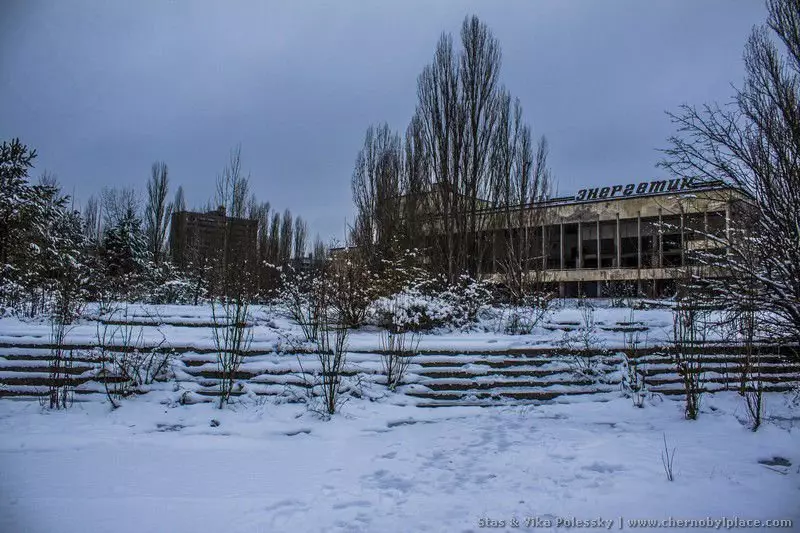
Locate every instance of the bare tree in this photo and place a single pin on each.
(473, 142)
(300, 238)
(157, 210)
(414, 184)
(479, 63)
(376, 193)
(274, 244)
(754, 143)
(285, 244)
(179, 203)
(320, 252)
(92, 220)
(521, 180)
(233, 187)
(443, 121)
(668, 460)
(119, 204)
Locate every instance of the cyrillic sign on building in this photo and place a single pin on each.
(634, 189)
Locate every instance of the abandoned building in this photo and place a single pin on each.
(212, 240)
(633, 239)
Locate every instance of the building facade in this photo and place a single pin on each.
(213, 243)
(634, 239)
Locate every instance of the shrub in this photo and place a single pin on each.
(521, 319)
(690, 325)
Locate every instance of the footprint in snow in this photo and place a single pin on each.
(603, 468)
(383, 479)
(355, 503)
(283, 504)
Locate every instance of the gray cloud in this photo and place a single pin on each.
(103, 89)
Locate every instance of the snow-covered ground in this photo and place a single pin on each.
(185, 326)
(383, 464)
(382, 467)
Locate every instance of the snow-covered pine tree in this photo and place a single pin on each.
(125, 257)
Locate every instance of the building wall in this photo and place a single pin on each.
(211, 241)
(642, 240)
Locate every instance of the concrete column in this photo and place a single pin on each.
(561, 246)
(660, 241)
(599, 262)
(580, 245)
(544, 247)
(494, 252)
(683, 243)
(639, 252)
(618, 244)
(727, 227)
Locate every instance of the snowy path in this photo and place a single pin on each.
(379, 467)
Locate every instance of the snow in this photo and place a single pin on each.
(187, 327)
(153, 465)
(384, 463)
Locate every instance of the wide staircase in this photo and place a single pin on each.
(541, 375)
(432, 379)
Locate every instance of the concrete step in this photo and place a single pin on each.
(505, 362)
(770, 378)
(44, 380)
(672, 390)
(5, 369)
(458, 372)
(494, 394)
(717, 359)
(466, 385)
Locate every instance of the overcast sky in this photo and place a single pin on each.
(103, 89)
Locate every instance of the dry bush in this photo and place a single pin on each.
(353, 289)
(634, 376)
(522, 319)
(65, 309)
(690, 327)
(585, 339)
(232, 338)
(300, 293)
(668, 460)
(125, 364)
(398, 346)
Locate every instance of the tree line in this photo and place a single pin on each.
(467, 149)
(117, 246)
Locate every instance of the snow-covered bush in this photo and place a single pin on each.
(413, 310)
(406, 270)
(469, 297)
(165, 284)
(301, 294)
(352, 290)
(431, 303)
